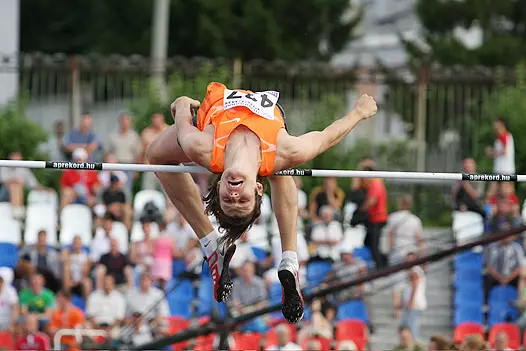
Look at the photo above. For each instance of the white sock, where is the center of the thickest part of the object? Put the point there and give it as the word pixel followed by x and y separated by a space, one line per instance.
pixel 209 242
pixel 291 256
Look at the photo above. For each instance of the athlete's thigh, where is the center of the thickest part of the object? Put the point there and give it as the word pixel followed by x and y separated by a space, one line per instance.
pixel 165 148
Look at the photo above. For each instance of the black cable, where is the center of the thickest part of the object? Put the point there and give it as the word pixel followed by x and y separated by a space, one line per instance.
pixel 209 328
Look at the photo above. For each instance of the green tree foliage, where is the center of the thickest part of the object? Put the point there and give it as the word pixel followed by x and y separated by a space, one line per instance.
pixel 266 29
pixel 502 22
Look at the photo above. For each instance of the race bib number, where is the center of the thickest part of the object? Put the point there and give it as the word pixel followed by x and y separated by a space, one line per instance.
pixel 261 103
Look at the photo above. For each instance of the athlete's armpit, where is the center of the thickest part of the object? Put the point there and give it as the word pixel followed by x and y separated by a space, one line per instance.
pixel 196 145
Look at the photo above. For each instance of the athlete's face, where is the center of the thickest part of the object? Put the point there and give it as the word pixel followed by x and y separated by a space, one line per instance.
pixel 237 193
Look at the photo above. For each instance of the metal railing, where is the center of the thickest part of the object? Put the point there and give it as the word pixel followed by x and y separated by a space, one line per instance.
pixel 77 333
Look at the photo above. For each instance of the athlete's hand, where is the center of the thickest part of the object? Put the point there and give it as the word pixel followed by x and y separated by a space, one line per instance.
pixel 365 106
pixel 183 106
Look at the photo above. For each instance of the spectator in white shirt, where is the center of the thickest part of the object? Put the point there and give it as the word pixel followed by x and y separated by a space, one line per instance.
pixel 100 245
pixel 9 310
pixel 327 235
pixel 503 151
pixel 76 269
pixel 106 306
pixel 243 254
pixel 284 342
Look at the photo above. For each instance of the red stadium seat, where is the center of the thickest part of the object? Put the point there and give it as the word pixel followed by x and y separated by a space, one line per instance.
pixel 6 341
pixel 178 324
pixel 271 338
pixel 353 329
pixel 205 342
pixel 468 328
pixel 513 332
pixel 247 341
pixel 324 342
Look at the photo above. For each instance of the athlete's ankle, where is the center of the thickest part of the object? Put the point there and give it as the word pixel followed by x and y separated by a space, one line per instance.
pixel 209 243
pixel 290 257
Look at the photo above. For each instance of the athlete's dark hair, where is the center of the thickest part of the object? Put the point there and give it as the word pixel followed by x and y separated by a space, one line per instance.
pixel 232 226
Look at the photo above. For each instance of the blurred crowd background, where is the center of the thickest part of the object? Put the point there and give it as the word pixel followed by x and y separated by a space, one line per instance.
pixel 103 260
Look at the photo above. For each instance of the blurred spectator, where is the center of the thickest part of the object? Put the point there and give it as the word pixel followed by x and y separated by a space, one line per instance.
pixel 37 299
pixel 321 324
pixel 163 253
pixel 271 276
pixel 137 331
pixel 474 342
pixel 405 235
pixel 468 195
pixel 521 303
pixel 79 186
pixel 149 302
pixel 14 180
pixel 315 344
pixel 329 194
pixel 505 191
pixel 141 251
pixel 157 125
pixel 504 261
pixel 303 211
pixel 9 310
pixel 82 138
pixel 358 194
pixel 501 342
pixel 54 146
pixel 248 294
pixel 503 218
pixel 44 260
pixel 438 343
pixel 414 300
pixel 284 340
pixel 376 207
pixel 117 265
pixel 32 339
pixel 106 307
pixel 100 245
pixel 76 269
pixel 65 316
pixel 407 342
pixel 503 151
pixel 327 235
pixel 125 144
pixel 117 202
pixel 105 176
pixel 244 253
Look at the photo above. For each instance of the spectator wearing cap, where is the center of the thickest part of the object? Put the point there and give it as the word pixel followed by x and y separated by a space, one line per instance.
pixel 14 181
pixel 79 186
pixel 106 307
pixel 117 202
pixel 82 138
pixel 9 310
pixel 125 144
pixel 32 339
pixel 65 316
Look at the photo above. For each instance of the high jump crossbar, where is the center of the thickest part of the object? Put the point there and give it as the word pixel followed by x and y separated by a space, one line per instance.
pixel 85 166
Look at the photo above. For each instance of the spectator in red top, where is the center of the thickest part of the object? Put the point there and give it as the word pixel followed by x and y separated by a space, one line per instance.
pixel 33 339
pixel 505 191
pixel 376 206
pixel 79 186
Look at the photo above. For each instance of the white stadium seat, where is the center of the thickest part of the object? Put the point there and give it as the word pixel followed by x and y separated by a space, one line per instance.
pixel 120 232
pixel 137 234
pixel 10 231
pixel 49 198
pixel 353 237
pixel 348 212
pixel 40 217
pixel 467 226
pixel 76 219
pixel 145 196
pixel 6 210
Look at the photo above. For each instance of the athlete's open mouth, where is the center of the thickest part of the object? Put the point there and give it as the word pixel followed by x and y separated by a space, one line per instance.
pixel 235 184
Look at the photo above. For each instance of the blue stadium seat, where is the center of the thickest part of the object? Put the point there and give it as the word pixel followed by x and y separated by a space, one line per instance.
pixel 500 307
pixel 317 272
pixel 469 259
pixel 364 253
pixel 502 294
pixel 501 313
pixel 467 278
pixel 79 302
pixel 180 298
pixel 8 255
pixel 260 253
pixel 274 295
pixel 354 309
pixel 178 267
pixel 207 304
pixel 468 313
pixel 469 296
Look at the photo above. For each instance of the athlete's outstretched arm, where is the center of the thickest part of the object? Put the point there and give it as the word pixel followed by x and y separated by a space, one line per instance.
pixel 196 144
pixel 285 206
pixel 306 147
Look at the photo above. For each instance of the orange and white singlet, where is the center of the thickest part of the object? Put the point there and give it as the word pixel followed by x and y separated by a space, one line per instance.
pixel 227 109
